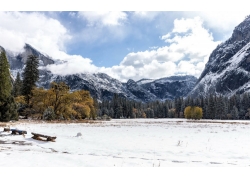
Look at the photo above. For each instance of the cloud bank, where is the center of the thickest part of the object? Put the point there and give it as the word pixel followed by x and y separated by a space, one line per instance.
pixel 186 50
pixel 46 34
pixel 42 32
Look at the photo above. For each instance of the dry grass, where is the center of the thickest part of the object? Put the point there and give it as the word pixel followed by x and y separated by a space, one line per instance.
pixel 29 121
pixel 3 124
pixel 127 123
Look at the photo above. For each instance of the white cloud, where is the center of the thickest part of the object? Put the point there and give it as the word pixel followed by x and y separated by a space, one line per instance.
pixel 153 69
pixel 187 67
pixel 190 38
pixel 73 14
pixel 102 26
pixel 190 45
pixel 73 64
pixel 147 15
pixel 106 18
pixel 45 34
pixel 187 48
pixel 223 21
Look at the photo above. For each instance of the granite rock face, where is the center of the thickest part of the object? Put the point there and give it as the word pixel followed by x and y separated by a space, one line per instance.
pixel 228 70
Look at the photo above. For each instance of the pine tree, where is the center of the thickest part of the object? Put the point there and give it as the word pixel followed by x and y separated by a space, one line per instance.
pixel 235 113
pixel 17 86
pixel 211 107
pixel 30 77
pixel 8 107
pixel 177 104
pixel 5 80
pixel 225 110
pixel 219 107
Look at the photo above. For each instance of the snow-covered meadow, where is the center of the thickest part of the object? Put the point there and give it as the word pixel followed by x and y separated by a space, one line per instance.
pixel 129 143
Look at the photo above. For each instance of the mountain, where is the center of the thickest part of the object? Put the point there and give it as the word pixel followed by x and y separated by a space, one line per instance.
pixel 228 67
pixel 102 86
pixel 171 87
pixel 17 61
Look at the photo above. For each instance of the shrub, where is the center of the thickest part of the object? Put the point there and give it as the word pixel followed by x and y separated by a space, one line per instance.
pixel 49 114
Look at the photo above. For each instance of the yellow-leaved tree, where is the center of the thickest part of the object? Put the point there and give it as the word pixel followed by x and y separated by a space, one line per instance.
pixel 59 103
pixel 83 105
pixel 193 112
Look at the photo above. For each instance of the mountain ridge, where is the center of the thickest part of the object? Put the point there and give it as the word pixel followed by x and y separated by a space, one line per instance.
pixel 101 85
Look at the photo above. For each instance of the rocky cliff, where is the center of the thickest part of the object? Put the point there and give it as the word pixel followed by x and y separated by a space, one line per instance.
pixel 227 71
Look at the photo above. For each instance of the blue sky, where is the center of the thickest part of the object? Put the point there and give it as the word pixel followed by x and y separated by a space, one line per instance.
pixel 124 44
pixel 138 31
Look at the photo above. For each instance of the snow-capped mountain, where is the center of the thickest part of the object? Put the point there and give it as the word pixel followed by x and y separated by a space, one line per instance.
pixel 17 61
pixel 102 86
pixel 171 87
pixel 228 70
pixel 140 92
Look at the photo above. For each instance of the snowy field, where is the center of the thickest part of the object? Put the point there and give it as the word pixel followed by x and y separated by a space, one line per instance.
pixel 130 143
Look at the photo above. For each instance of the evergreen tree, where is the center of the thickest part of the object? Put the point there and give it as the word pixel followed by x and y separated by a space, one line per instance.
pixel 211 107
pixel 225 110
pixel 8 107
pixel 235 113
pixel 244 105
pixel 219 107
pixel 177 104
pixel 17 86
pixel 5 80
pixel 30 77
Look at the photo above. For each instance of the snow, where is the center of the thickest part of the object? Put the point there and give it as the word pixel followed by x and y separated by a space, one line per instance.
pixel 130 143
pixel 145 81
pixel 209 81
pixel 15 71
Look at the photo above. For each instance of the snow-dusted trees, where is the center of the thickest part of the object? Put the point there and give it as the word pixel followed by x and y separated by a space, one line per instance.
pixel 213 107
pixel 120 107
pixel 8 108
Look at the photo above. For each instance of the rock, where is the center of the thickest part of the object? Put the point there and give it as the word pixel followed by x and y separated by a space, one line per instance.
pixel 227 71
pixel 79 134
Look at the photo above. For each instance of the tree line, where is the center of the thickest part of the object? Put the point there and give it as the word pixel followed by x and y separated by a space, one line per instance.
pixel 210 107
pixel 23 98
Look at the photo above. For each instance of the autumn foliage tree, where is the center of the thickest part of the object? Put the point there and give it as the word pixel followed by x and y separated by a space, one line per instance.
pixel 193 112
pixel 59 103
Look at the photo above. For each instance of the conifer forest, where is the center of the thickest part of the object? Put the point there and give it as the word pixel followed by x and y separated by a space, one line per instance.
pixel 21 97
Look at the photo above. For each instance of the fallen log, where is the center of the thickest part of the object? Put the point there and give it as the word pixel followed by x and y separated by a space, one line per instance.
pixel 6 129
pixel 17 131
pixel 43 137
